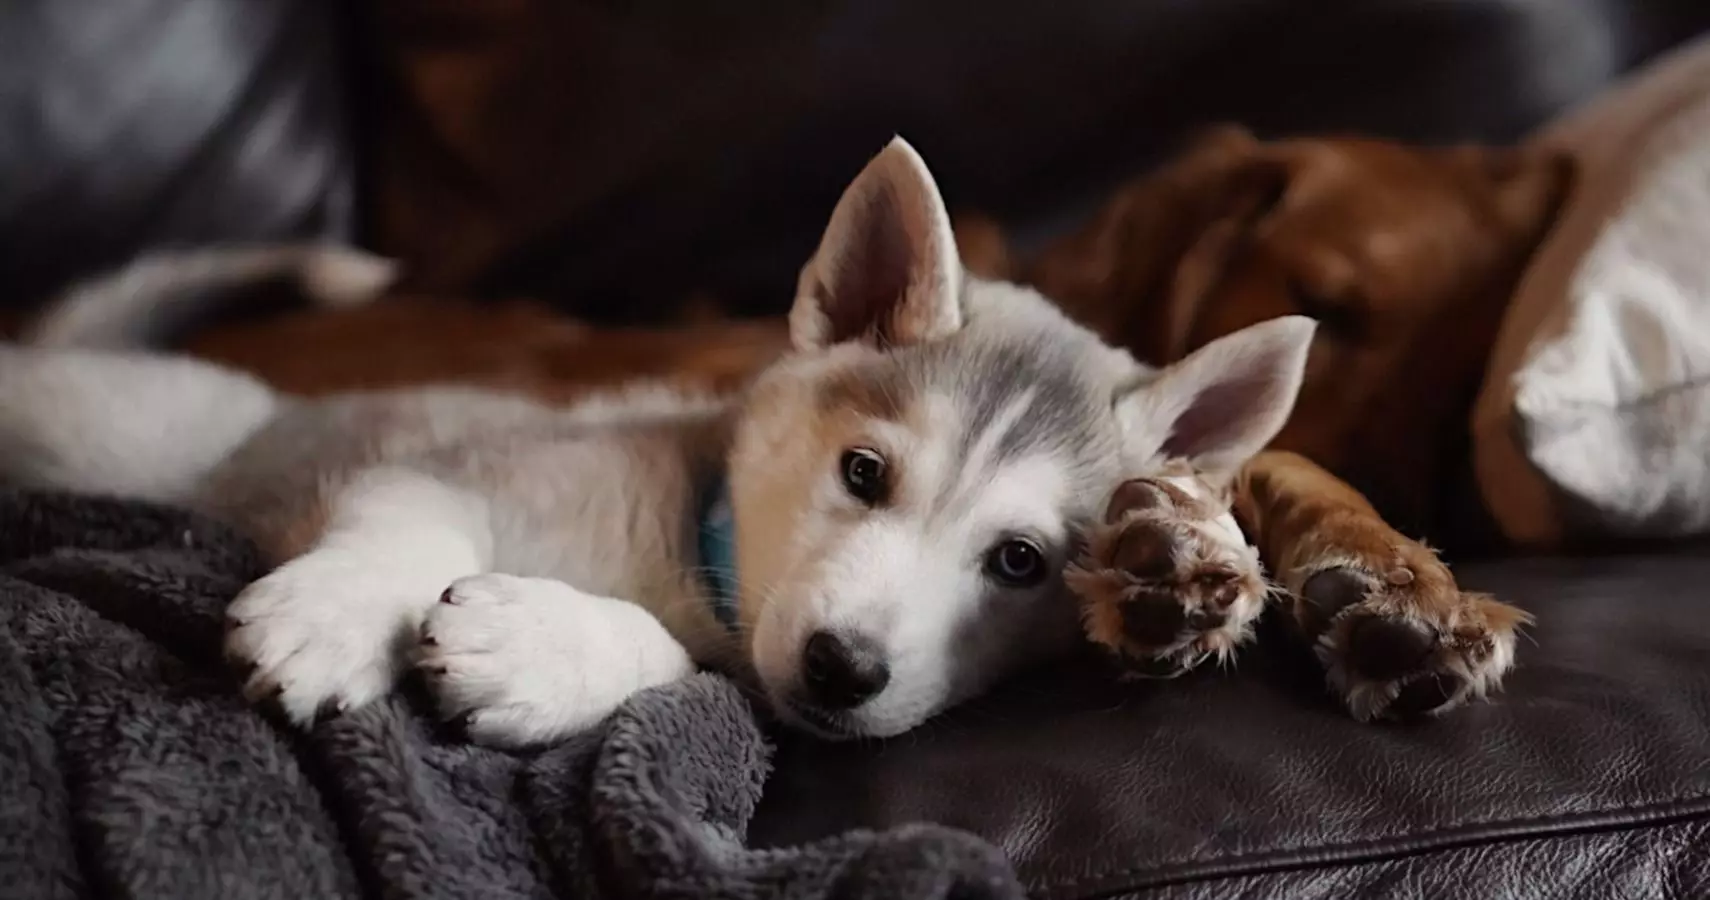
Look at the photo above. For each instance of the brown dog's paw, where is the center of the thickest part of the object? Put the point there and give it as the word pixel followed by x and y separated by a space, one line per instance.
pixel 1398 638
pixel 1167 581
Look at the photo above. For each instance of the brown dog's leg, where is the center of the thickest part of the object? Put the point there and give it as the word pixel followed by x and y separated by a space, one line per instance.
pixel 1397 637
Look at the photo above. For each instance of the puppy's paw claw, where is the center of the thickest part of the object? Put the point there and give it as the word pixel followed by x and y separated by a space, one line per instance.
pixel 321 633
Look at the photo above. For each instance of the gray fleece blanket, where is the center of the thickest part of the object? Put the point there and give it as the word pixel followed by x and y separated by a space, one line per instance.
pixel 129 765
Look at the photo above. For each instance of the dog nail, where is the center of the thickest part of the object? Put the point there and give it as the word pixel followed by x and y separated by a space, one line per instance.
pixel 460 724
pixel 329 711
pixel 1400 576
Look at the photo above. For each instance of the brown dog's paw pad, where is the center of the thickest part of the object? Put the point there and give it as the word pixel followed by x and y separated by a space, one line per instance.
pixel 1136 495
pixel 1398 648
pixel 1327 593
pixel 1383 648
pixel 1154 617
pixel 1425 696
pixel 1145 549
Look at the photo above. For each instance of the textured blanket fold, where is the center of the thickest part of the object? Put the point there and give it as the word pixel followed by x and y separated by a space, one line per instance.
pixel 130 766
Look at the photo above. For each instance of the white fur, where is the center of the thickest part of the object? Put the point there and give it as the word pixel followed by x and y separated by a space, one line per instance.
pixel 129 424
pixel 534 658
pixel 329 626
pixel 122 308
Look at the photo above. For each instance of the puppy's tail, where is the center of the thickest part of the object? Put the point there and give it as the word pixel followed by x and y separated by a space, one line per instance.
pixel 132 424
pixel 153 297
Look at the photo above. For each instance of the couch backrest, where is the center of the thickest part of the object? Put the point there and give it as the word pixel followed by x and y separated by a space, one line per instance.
pixel 620 154
pixel 137 124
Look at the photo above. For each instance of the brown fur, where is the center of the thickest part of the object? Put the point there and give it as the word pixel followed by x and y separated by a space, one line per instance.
pixel 520 346
pixel 1406 255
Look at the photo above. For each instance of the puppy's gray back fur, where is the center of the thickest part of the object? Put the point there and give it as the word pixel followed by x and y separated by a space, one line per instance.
pixel 544 470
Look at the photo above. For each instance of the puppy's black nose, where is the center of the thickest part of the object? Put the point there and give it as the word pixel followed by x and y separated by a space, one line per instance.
pixel 842 671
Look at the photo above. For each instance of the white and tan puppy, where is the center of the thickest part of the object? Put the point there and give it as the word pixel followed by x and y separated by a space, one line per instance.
pixel 875 530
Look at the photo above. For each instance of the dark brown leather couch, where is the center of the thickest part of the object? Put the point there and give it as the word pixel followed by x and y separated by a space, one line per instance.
pixel 614 156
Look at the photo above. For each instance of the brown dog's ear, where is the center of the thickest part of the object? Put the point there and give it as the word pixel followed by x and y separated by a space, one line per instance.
pixel 1120 273
pixel 1533 185
pixel 1219 141
pixel 1246 192
pixel 1529 184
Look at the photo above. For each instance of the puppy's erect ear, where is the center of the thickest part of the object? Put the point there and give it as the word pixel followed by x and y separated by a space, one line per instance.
pixel 1223 403
pixel 886 271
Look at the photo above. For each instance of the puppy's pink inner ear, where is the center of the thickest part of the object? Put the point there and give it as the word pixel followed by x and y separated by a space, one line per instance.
pixel 1225 401
pixel 886 270
pixel 1226 413
pixel 870 278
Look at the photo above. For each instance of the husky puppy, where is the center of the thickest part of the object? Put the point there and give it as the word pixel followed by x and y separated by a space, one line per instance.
pixel 875 530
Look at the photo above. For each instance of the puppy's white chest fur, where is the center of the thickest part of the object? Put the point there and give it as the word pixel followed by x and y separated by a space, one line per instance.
pixel 614 515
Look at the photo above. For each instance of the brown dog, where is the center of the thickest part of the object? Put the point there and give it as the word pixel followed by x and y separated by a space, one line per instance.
pixel 1406 256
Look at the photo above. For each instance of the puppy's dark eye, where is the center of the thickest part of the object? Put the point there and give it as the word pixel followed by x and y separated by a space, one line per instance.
pixel 1017 563
pixel 864 475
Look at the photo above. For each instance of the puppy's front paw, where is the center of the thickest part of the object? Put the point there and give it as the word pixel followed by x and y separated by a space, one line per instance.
pixel 1398 638
pixel 526 661
pixel 323 633
pixel 1167 581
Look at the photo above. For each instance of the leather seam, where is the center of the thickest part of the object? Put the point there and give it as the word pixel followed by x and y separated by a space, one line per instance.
pixel 1356 852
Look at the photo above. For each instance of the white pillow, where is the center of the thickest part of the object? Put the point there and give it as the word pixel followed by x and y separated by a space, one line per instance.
pixel 1594 419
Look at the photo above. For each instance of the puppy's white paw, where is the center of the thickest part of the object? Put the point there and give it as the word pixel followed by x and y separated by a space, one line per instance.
pixel 326 632
pixel 531 660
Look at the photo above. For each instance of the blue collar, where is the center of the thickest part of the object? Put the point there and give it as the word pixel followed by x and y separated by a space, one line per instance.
pixel 718 552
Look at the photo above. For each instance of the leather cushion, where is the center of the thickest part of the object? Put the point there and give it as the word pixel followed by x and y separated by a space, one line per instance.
pixel 1216 784
pixel 125 126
